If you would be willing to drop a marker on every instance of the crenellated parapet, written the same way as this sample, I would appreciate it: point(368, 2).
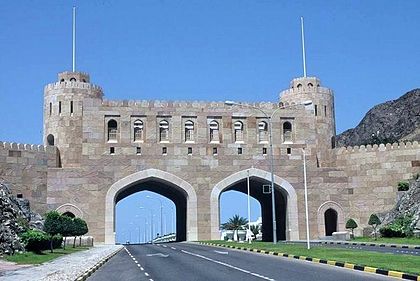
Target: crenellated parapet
point(26, 147)
point(94, 89)
point(381, 147)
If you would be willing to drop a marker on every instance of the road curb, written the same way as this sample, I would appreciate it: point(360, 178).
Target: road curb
point(390, 273)
point(100, 263)
point(416, 247)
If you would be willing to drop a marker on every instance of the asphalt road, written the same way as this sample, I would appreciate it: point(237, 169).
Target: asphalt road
point(187, 261)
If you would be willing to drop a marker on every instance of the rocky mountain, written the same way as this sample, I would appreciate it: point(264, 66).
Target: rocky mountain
point(388, 122)
point(15, 217)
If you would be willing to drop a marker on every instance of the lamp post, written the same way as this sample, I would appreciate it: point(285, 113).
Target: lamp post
point(161, 208)
point(270, 135)
point(151, 220)
point(308, 245)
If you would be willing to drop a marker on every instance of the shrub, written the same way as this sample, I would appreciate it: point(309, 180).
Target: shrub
point(374, 221)
point(351, 224)
point(400, 227)
point(403, 186)
point(37, 241)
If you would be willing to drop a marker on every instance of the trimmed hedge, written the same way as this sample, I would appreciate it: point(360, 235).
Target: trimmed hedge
point(37, 241)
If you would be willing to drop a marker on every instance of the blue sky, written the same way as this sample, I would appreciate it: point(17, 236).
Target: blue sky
point(366, 51)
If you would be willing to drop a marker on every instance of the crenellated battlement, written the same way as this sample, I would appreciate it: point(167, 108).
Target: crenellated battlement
point(375, 147)
point(69, 85)
point(306, 89)
point(26, 147)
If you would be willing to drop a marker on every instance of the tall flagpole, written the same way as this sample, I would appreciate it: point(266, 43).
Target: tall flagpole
point(249, 208)
point(303, 47)
point(74, 38)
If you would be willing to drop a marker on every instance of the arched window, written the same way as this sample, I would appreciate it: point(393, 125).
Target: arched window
point(299, 86)
point(239, 131)
point(189, 130)
point(112, 130)
point(72, 79)
point(310, 85)
point(214, 131)
point(50, 139)
point(164, 130)
point(138, 130)
point(262, 131)
point(69, 214)
point(287, 132)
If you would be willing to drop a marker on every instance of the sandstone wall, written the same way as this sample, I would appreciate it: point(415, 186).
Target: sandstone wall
point(24, 167)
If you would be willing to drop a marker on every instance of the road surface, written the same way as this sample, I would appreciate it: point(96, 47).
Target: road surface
point(188, 261)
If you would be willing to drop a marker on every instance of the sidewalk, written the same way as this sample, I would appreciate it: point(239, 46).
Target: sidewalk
point(64, 268)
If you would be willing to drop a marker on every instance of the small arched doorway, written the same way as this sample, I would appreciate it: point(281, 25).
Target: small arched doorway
point(69, 214)
point(330, 218)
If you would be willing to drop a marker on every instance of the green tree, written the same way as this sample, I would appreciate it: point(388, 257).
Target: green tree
point(235, 223)
point(80, 228)
point(52, 225)
point(255, 228)
point(351, 224)
point(374, 221)
point(67, 228)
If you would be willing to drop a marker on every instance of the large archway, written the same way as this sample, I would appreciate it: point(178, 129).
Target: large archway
point(286, 203)
point(164, 183)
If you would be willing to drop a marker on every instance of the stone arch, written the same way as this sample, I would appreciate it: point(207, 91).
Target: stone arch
point(320, 214)
point(292, 225)
point(141, 176)
point(71, 208)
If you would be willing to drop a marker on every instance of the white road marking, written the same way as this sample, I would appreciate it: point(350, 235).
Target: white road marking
point(228, 265)
point(147, 274)
point(221, 252)
point(164, 246)
point(173, 248)
point(141, 268)
point(158, 254)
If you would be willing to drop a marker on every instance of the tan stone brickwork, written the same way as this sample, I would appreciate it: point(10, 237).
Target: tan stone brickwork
point(96, 165)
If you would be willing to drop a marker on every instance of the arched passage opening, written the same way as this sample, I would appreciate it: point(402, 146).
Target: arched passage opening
point(168, 185)
point(145, 215)
point(330, 218)
point(285, 200)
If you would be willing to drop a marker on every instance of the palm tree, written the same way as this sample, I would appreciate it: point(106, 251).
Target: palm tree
point(255, 228)
point(235, 223)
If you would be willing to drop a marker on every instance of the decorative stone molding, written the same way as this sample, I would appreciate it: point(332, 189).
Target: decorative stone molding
point(143, 176)
point(70, 208)
point(292, 225)
point(321, 221)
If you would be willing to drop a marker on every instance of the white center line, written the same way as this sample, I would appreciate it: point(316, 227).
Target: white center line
point(228, 265)
point(147, 274)
point(173, 248)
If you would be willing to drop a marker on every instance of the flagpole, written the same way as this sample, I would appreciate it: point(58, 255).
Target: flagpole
point(303, 47)
point(74, 39)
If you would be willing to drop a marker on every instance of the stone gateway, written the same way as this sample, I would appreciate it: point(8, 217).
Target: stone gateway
point(96, 152)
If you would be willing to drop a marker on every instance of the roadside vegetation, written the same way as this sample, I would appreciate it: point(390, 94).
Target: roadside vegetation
point(40, 245)
point(390, 240)
point(387, 261)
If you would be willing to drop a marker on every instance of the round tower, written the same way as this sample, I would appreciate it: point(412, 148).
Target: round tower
point(323, 117)
point(63, 114)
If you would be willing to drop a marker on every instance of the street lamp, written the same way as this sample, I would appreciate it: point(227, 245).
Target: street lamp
point(151, 220)
point(161, 207)
point(270, 134)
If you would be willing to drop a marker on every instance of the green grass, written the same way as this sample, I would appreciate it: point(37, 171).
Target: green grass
point(404, 241)
point(388, 261)
point(33, 258)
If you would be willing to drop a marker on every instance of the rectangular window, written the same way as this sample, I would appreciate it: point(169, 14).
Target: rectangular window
point(138, 150)
point(189, 150)
point(316, 110)
point(164, 150)
point(214, 150)
point(59, 107)
point(325, 110)
point(289, 151)
point(112, 150)
point(15, 153)
point(264, 151)
point(71, 107)
point(239, 150)
point(19, 195)
point(50, 108)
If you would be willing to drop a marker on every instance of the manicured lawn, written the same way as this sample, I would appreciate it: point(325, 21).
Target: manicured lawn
point(403, 263)
point(32, 258)
point(404, 241)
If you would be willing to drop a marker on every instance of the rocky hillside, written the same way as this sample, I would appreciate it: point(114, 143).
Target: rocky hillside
point(408, 204)
point(15, 217)
point(391, 121)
